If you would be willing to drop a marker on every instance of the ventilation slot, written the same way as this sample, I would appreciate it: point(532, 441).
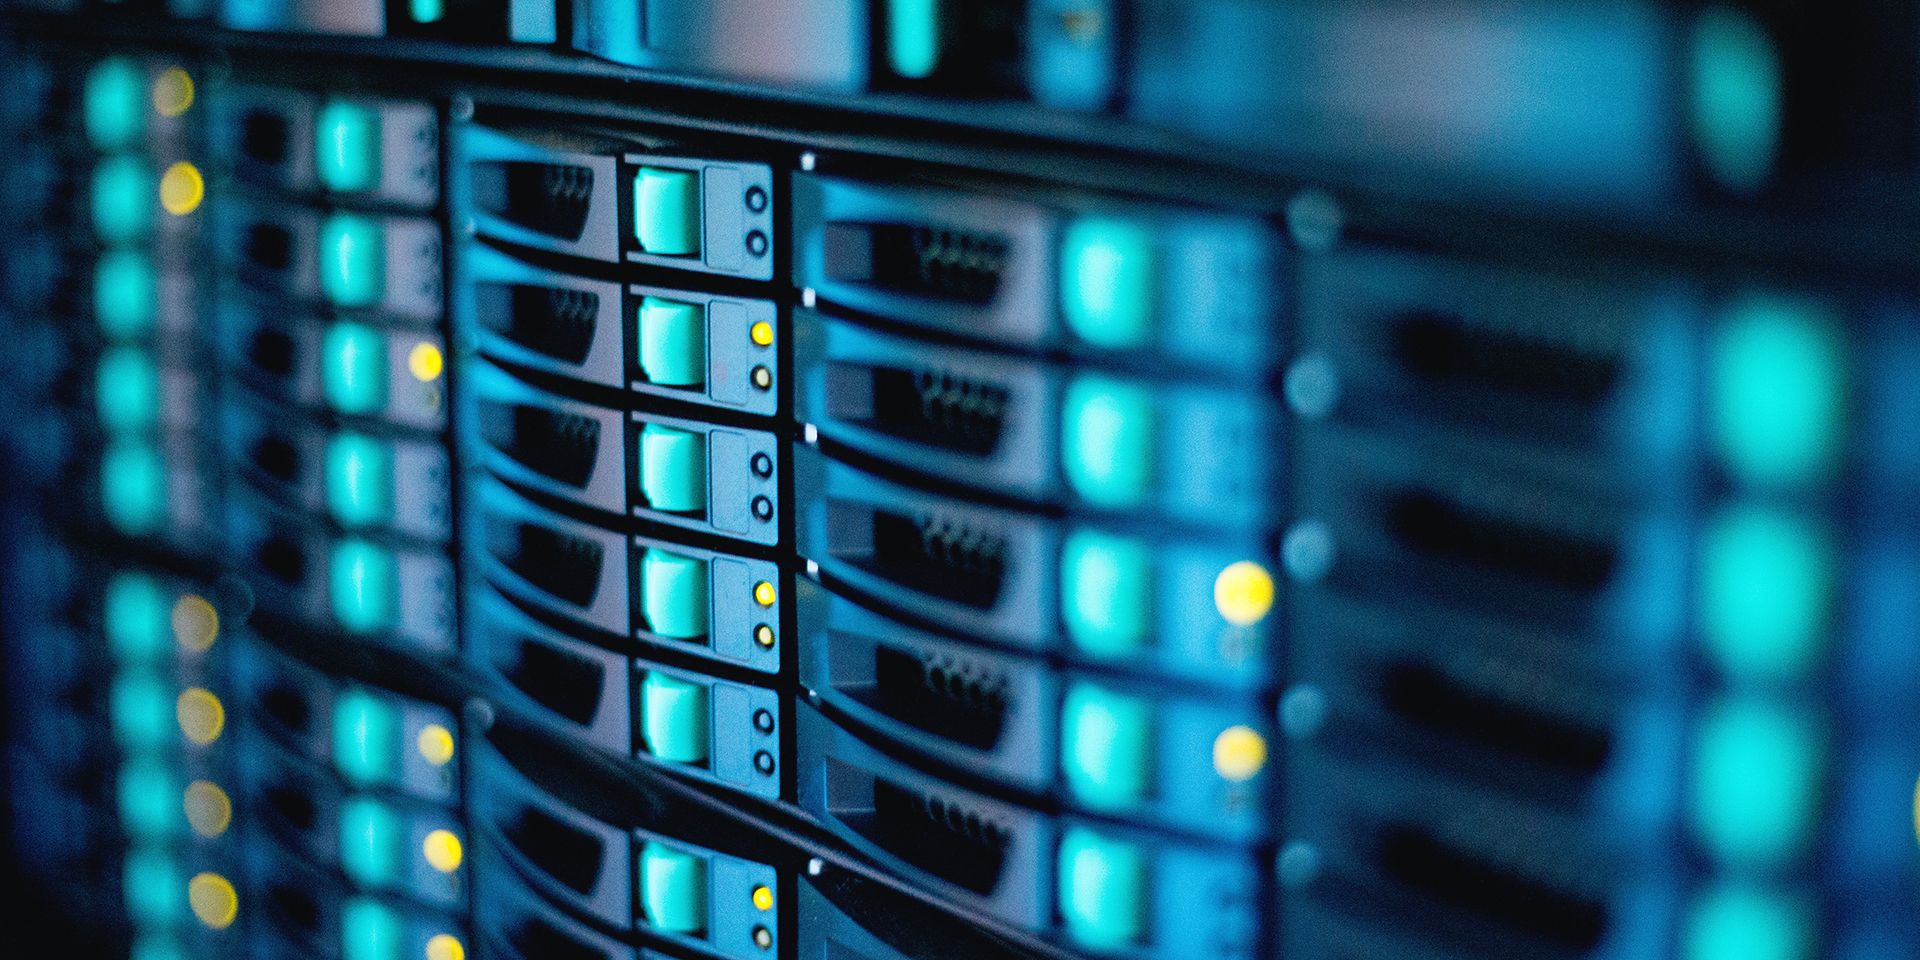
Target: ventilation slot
point(565, 566)
point(286, 561)
point(289, 708)
point(293, 908)
point(943, 695)
point(263, 137)
point(568, 685)
point(1426, 696)
point(271, 351)
point(937, 556)
point(562, 852)
point(294, 805)
point(278, 458)
point(1420, 860)
point(944, 839)
point(538, 940)
point(547, 320)
point(1439, 347)
point(1507, 530)
point(938, 409)
point(924, 261)
point(557, 445)
point(269, 246)
point(553, 199)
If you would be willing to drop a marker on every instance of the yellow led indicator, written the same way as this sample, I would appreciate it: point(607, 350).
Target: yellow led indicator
point(762, 334)
point(1239, 753)
point(443, 851)
point(209, 810)
point(762, 898)
point(763, 594)
point(435, 744)
point(762, 377)
point(181, 189)
point(212, 898)
point(173, 92)
point(200, 714)
point(763, 635)
point(445, 946)
point(196, 624)
point(1243, 593)
point(425, 362)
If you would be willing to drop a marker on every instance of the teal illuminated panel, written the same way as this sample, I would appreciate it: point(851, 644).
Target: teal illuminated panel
point(372, 843)
point(426, 11)
point(673, 342)
point(1766, 585)
point(1103, 889)
point(122, 199)
point(359, 480)
point(126, 390)
point(124, 288)
point(114, 107)
point(149, 799)
point(1106, 592)
point(913, 37)
point(133, 487)
point(1736, 97)
point(347, 147)
point(1755, 781)
point(1106, 282)
point(1106, 743)
point(1777, 392)
point(673, 469)
point(352, 260)
point(675, 718)
point(140, 709)
point(371, 930)
point(353, 369)
point(1742, 921)
point(363, 579)
point(366, 739)
point(1107, 441)
point(666, 211)
point(673, 595)
point(154, 887)
point(673, 888)
point(136, 618)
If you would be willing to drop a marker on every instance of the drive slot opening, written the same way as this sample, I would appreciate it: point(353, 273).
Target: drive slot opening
point(271, 352)
point(940, 837)
point(1425, 862)
point(1428, 696)
point(570, 856)
point(940, 694)
point(560, 446)
point(932, 407)
point(939, 556)
point(277, 457)
point(1509, 530)
point(294, 805)
point(563, 565)
point(1440, 347)
point(923, 261)
point(567, 684)
point(548, 198)
point(553, 321)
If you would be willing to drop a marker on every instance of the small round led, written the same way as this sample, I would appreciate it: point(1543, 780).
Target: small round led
point(762, 898)
point(435, 744)
point(196, 624)
point(445, 946)
point(762, 938)
point(182, 189)
point(763, 635)
point(763, 594)
point(173, 92)
point(762, 334)
point(762, 378)
point(425, 362)
point(443, 851)
point(209, 809)
point(1239, 753)
point(213, 900)
point(200, 714)
point(1243, 593)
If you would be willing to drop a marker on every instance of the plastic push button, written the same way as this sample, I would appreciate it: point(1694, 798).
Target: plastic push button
point(135, 618)
point(372, 842)
point(362, 577)
point(673, 469)
point(1766, 579)
point(674, 718)
point(1106, 282)
point(1107, 441)
point(353, 371)
point(352, 260)
point(666, 211)
point(673, 889)
point(359, 480)
point(114, 106)
point(1778, 397)
point(673, 595)
point(365, 738)
point(1756, 782)
point(122, 198)
point(133, 487)
point(1103, 888)
point(370, 930)
point(673, 342)
point(155, 891)
point(347, 147)
point(123, 294)
point(1106, 592)
point(126, 390)
point(1742, 921)
point(146, 792)
point(1106, 746)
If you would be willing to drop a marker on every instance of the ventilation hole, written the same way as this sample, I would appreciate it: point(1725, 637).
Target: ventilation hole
point(943, 839)
point(946, 696)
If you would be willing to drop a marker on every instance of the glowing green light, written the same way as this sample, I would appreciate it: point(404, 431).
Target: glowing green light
point(135, 617)
point(366, 738)
point(1766, 584)
point(126, 390)
point(1755, 782)
point(1778, 392)
point(114, 106)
